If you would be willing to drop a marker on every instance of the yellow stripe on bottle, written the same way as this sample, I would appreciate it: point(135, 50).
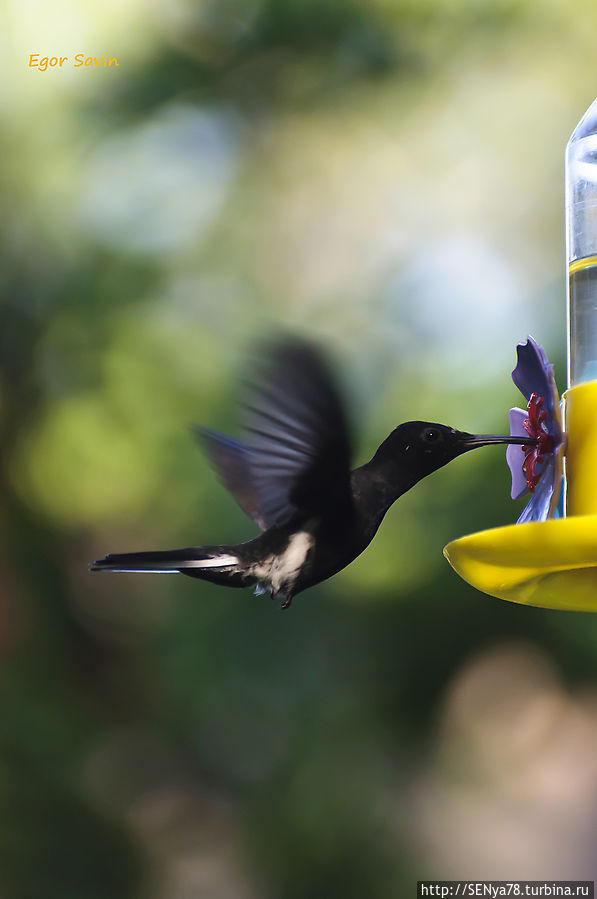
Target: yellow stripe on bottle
point(580, 425)
point(579, 264)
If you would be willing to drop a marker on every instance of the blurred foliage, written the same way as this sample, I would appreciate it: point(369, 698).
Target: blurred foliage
point(387, 177)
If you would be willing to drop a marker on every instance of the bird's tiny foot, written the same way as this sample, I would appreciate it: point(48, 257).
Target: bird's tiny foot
point(286, 603)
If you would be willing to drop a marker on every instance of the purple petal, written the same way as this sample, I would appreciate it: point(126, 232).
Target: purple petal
point(516, 420)
point(515, 454)
point(534, 374)
point(541, 502)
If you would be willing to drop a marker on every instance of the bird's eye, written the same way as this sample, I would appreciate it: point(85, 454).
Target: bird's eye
point(430, 435)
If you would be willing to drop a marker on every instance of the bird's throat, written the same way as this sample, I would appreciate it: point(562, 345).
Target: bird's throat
point(378, 484)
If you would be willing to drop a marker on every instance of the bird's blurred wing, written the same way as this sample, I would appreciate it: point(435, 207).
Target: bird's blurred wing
point(297, 435)
point(230, 458)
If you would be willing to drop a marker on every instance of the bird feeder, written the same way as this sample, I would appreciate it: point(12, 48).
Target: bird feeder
point(553, 563)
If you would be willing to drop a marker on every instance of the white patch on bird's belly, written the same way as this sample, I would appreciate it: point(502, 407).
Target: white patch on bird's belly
point(281, 570)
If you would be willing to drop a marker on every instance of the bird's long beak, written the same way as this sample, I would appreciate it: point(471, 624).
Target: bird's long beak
point(472, 441)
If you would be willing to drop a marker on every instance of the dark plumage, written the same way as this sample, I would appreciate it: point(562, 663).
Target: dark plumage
point(291, 475)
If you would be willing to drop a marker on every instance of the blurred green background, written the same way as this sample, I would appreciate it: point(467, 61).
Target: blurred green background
point(388, 178)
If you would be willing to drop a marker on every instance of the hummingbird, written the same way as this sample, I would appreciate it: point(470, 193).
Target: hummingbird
point(291, 474)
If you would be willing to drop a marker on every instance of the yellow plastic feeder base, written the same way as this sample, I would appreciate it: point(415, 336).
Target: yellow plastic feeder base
point(553, 563)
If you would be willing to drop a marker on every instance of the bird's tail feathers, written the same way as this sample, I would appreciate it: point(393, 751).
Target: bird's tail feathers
point(190, 560)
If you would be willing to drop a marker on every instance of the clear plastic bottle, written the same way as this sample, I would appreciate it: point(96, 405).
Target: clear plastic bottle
point(581, 249)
